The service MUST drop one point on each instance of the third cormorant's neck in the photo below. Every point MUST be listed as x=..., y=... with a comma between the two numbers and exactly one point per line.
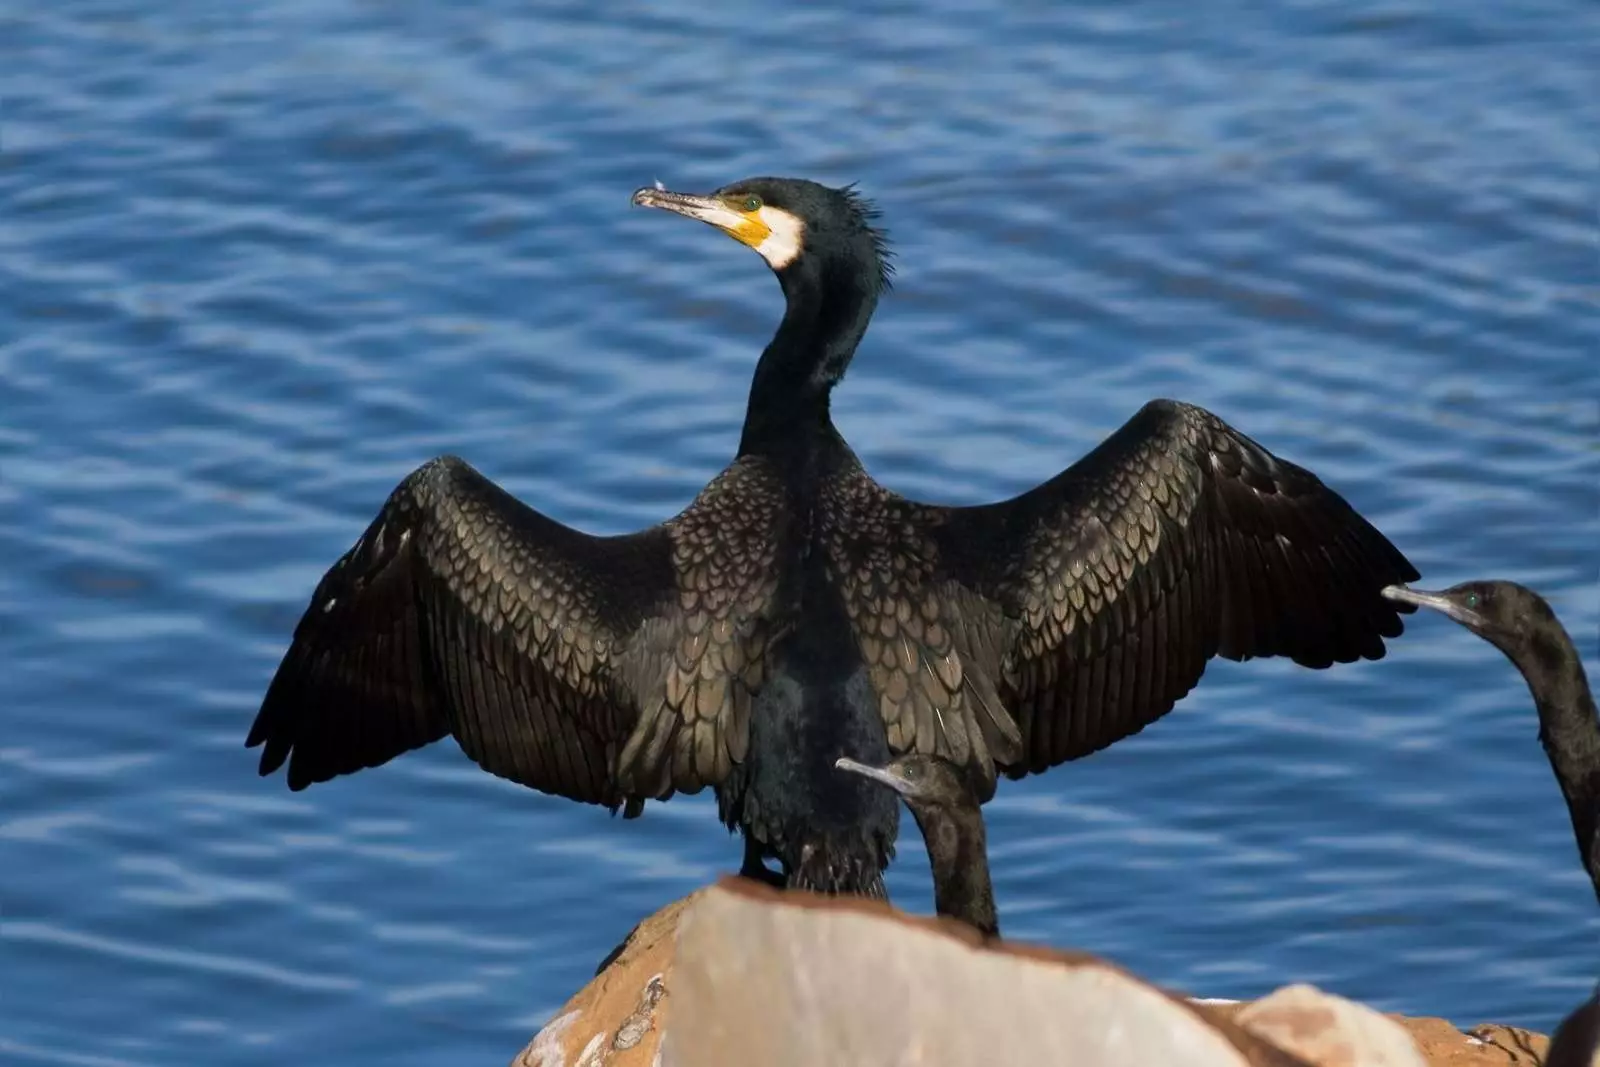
x=829, y=305
x=1569, y=731
x=959, y=855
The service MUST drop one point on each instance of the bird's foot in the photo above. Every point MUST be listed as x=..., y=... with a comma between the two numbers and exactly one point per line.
x=758, y=871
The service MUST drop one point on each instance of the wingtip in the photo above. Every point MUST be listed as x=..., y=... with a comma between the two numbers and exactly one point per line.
x=258, y=730
x=272, y=756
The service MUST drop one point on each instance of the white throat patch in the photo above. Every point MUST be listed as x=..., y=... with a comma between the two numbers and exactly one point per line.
x=784, y=243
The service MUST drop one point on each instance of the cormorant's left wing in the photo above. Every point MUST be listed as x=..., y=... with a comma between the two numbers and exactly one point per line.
x=1175, y=540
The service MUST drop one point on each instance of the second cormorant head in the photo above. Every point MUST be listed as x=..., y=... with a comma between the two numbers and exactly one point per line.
x=945, y=804
x=928, y=784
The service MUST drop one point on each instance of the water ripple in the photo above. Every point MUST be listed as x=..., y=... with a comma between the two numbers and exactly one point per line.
x=256, y=266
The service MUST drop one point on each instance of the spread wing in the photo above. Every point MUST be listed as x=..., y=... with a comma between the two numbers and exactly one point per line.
x=1023, y=634
x=605, y=670
x=1175, y=540
x=1591, y=856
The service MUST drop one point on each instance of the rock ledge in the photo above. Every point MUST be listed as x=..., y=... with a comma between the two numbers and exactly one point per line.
x=741, y=974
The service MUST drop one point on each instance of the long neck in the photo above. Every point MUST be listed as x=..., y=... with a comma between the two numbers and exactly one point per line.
x=958, y=853
x=1569, y=730
x=1574, y=1042
x=826, y=317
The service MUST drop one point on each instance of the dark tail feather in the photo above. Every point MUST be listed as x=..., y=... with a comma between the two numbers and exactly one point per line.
x=824, y=870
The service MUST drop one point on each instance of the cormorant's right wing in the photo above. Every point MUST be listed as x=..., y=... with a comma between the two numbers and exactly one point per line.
x=605, y=670
x=1591, y=858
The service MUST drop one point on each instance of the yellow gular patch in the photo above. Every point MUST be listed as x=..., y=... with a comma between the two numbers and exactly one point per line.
x=751, y=229
x=772, y=231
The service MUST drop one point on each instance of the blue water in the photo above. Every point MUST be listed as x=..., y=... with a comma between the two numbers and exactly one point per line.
x=258, y=262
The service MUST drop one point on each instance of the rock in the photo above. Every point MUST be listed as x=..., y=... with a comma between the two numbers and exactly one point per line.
x=792, y=981
x=1330, y=1031
x=1442, y=1045
x=616, y=1020
x=741, y=963
x=1485, y=1043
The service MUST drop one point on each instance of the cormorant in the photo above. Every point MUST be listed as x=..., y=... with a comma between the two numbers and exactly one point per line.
x=1576, y=1042
x=1520, y=623
x=943, y=802
x=1517, y=620
x=797, y=611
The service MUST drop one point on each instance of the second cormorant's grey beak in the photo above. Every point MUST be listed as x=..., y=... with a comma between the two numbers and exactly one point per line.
x=877, y=774
x=1437, y=601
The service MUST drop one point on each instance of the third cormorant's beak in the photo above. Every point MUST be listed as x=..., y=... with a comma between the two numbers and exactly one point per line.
x=1401, y=594
x=746, y=227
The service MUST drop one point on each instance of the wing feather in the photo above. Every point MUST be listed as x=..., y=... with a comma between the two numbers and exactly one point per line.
x=605, y=670
x=1175, y=540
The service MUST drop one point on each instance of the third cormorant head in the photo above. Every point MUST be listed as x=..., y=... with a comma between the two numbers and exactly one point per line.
x=945, y=804
x=1507, y=615
x=832, y=264
x=1519, y=622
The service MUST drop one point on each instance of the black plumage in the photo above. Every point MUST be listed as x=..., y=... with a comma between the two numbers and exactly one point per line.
x=1521, y=623
x=797, y=611
x=1576, y=1041
x=940, y=796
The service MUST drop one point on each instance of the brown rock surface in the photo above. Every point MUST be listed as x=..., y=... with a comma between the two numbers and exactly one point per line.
x=741, y=967
x=1442, y=1045
x=790, y=981
x=1328, y=1030
x=616, y=1020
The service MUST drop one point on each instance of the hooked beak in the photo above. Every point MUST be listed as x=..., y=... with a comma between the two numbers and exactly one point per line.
x=1437, y=601
x=744, y=227
x=877, y=774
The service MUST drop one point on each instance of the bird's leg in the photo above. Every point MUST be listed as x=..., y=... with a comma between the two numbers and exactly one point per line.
x=754, y=868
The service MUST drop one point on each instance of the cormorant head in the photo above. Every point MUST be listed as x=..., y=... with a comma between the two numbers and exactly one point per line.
x=924, y=782
x=1503, y=613
x=793, y=223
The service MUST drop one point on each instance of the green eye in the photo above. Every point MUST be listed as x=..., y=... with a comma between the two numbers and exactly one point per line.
x=1472, y=600
x=752, y=204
